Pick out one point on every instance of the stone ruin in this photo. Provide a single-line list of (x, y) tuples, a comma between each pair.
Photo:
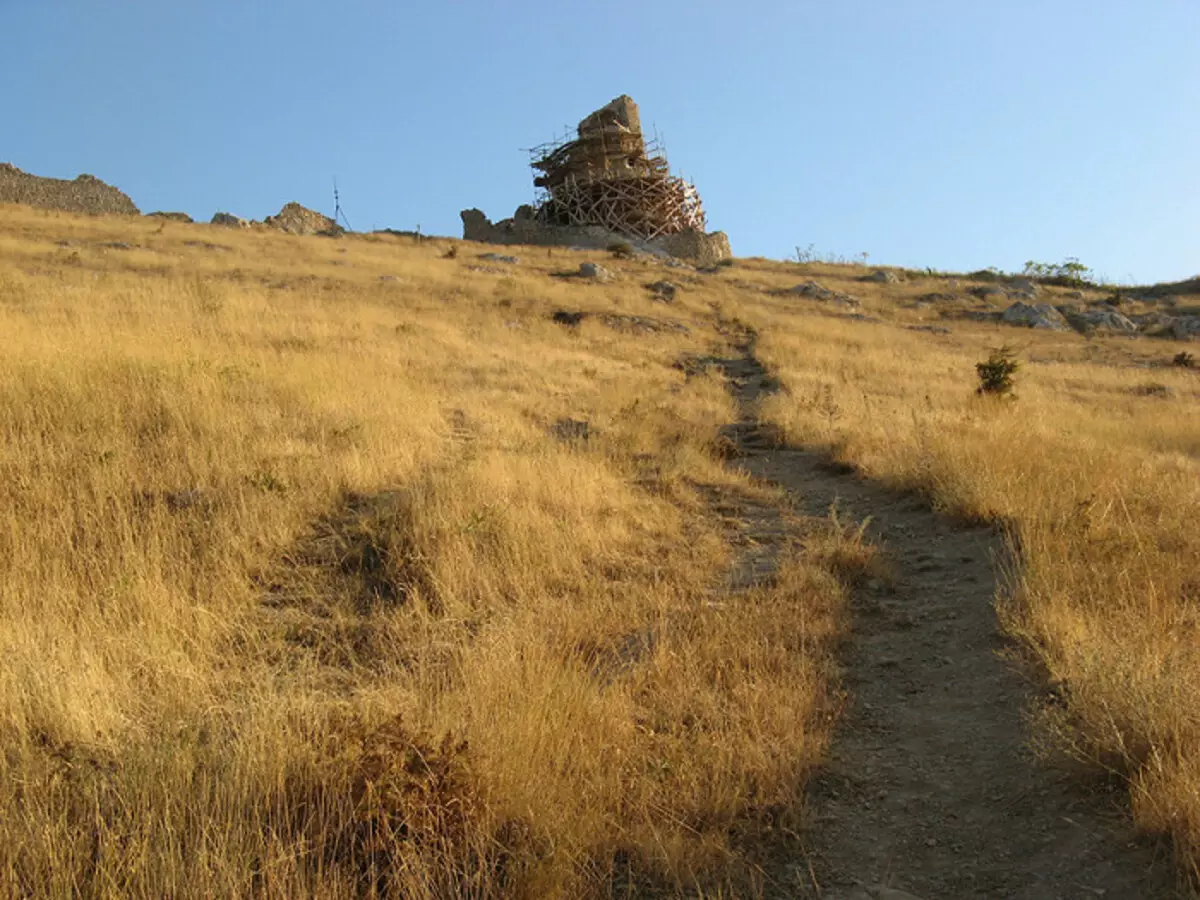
[(606, 184), (85, 194)]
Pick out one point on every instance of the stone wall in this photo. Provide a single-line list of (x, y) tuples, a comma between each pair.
[(693, 246), (84, 194)]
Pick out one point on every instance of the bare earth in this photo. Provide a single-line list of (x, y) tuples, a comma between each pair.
[(931, 788)]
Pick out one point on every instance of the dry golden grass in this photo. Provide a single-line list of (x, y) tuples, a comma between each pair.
[(1094, 468), (301, 597)]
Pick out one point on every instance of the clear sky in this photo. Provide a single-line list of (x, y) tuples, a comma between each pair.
[(957, 134)]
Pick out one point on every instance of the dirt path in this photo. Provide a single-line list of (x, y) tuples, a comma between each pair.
[(931, 788)]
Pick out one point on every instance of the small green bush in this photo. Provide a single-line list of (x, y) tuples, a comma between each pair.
[(1184, 360), (996, 374), (1068, 273), (620, 249), (726, 262)]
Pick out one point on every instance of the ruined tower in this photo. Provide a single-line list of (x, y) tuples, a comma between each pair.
[(608, 176)]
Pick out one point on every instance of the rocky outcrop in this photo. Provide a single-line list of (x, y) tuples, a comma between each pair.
[(296, 219), (229, 220), (1100, 318), (172, 216), (85, 194), (883, 276), (1037, 315)]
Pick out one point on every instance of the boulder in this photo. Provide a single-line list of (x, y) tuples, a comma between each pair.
[(1186, 328), (1038, 315), (1022, 289), (594, 271), (229, 220), (663, 290), (173, 216), (819, 292), (882, 276), (1106, 319)]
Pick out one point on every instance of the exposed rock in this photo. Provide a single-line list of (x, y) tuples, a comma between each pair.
[(296, 219), (703, 249), (882, 276), (1103, 318), (1022, 289), (642, 324), (477, 226), (1186, 328), (594, 271), (568, 317), (1040, 315), (811, 289), (990, 293), (229, 220), (663, 290), (85, 194), (173, 216), (500, 258), (819, 292), (932, 329)]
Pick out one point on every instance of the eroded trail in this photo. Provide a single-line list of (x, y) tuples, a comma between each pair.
[(931, 787)]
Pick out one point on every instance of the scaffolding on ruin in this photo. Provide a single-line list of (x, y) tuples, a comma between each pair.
[(613, 178)]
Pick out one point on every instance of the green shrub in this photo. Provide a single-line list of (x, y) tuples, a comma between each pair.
[(620, 249), (1068, 273), (996, 373)]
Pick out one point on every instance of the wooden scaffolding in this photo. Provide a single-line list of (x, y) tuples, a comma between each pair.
[(608, 175)]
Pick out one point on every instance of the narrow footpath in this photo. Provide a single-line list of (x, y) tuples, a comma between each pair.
[(931, 790)]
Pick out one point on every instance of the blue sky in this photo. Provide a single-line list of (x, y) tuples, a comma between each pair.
[(957, 134)]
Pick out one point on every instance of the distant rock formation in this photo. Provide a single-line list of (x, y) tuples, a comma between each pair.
[(173, 216), (85, 194), (229, 220), (296, 219)]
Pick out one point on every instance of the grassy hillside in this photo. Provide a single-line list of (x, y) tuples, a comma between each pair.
[(1094, 469), (315, 583), (311, 588)]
